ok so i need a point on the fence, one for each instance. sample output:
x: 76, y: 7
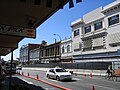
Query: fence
x: 87, y: 65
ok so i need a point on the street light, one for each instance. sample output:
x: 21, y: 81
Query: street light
x: 60, y: 46
x: 58, y: 35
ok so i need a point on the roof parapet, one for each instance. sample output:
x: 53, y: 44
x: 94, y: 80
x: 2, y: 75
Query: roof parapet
x: 76, y: 22
x: 111, y: 6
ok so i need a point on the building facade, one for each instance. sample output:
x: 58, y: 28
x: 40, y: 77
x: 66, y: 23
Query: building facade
x: 34, y: 55
x: 96, y: 36
x: 50, y: 53
x: 66, y: 50
x: 24, y: 56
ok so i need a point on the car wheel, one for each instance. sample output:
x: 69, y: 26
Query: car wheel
x: 48, y: 76
x: 58, y: 78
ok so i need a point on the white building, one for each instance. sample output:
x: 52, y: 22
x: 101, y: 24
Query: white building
x: 96, y: 36
x: 66, y: 50
x: 34, y: 55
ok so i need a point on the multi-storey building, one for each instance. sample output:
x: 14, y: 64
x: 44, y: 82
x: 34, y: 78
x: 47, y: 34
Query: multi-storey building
x: 50, y: 53
x: 66, y: 50
x: 96, y: 36
x: 34, y: 55
x: 24, y: 56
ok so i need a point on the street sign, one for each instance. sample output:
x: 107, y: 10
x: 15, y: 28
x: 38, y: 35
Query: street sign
x: 17, y: 31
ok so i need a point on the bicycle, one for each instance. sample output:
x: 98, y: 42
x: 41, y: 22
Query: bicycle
x: 109, y: 75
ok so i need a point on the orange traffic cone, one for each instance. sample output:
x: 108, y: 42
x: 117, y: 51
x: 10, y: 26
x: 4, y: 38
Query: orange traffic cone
x: 22, y: 73
x: 28, y: 74
x: 84, y: 75
x: 37, y: 76
x: 90, y: 75
x: 93, y: 88
x: 18, y: 72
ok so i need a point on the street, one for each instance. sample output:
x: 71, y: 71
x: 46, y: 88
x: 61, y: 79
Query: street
x: 78, y: 82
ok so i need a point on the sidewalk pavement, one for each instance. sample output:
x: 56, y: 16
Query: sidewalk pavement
x: 18, y: 84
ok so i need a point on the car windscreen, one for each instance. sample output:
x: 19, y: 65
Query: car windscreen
x: 61, y: 70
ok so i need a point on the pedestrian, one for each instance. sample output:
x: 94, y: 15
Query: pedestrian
x: 109, y: 70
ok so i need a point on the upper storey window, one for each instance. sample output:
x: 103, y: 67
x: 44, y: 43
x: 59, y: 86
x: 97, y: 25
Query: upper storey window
x: 98, y: 25
x: 68, y: 48
x: 87, y: 29
x: 63, y: 49
x: 76, y: 32
x: 113, y: 20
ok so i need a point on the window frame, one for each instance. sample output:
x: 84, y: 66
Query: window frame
x: 63, y: 49
x: 114, y: 21
x: 86, y: 30
x: 76, y: 32
x: 97, y: 27
x: 68, y: 48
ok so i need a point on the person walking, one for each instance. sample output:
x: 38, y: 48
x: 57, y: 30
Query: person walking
x: 109, y: 71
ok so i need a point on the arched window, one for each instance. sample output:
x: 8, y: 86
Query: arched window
x: 68, y: 48
x: 63, y: 49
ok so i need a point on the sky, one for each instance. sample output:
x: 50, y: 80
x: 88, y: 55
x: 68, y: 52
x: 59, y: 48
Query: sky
x: 59, y: 23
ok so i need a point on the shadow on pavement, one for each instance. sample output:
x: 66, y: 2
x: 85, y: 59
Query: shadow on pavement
x: 18, y: 84
x: 69, y: 80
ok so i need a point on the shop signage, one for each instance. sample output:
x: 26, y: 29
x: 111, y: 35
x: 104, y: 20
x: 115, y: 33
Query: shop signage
x: 17, y: 31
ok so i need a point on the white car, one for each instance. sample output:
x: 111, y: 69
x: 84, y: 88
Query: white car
x: 19, y: 68
x: 58, y: 74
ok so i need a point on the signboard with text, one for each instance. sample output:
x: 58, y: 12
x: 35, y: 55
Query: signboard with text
x: 17, y: 31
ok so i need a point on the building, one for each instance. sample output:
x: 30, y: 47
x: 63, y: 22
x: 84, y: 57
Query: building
x: 24, y: 56
x: 96, y: 36
x: 40, y: 53
x: 50, y: 53
x: 34, y: 55
x: 66, y: 50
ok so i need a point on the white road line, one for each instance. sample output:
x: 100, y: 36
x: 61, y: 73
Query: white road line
x: 27, y: 81
x: 77, y: 79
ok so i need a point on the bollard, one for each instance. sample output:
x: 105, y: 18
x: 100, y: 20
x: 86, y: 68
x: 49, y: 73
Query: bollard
x: 19, y: 72
x: 28, y: 74
x: 37, y: 76
x: 84, y: 75
x: 93, y: 88
x: 22, y: 73
x: 90, y: 75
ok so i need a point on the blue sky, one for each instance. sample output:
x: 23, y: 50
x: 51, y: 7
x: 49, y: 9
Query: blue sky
x: 60, y: 22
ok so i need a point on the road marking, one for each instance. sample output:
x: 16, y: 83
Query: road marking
x: 77, y: 79
x: 27, y: 81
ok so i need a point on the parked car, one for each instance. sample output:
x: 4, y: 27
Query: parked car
x: 58, y: 74
x: 19, y: 68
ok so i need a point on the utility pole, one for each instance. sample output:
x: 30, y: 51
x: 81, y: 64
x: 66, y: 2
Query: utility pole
x: 10, y: 80
x: 60, y: 44
x: 55, y: 50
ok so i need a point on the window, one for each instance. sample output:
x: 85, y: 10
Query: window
x: 63, y: 49
x: 98, y: 25
x: 87, y: 29
x: 76, y: 32
x: 113, y: 20
x: 68, y: 48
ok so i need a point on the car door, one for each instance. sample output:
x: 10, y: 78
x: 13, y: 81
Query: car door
x: 52, y: 74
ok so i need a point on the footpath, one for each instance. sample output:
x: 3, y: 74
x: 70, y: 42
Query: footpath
x: 18, y: 84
